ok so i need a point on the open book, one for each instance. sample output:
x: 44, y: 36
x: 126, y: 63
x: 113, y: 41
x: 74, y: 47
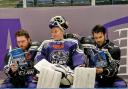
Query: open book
x: 17, y: 55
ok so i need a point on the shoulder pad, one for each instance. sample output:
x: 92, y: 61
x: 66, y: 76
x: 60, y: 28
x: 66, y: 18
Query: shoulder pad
x: 35, y: 43
x: 34, y: 46
x: 44, y: 44
x: 72, y: 40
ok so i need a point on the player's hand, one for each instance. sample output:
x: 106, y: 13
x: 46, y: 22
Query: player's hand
x: 14, y: 67
x: 28, y: 56
x: 99, y: 70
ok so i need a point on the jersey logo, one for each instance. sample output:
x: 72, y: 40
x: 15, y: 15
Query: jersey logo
x: 59, y: 57
x: 58, y: 46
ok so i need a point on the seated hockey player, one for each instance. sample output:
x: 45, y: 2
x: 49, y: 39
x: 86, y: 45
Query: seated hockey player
x: 20, y: 74
x: 63, y: 53
x: 105, y: 56
x: 107, y: 72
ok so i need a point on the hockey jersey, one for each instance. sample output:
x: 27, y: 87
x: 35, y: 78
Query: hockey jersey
x: 63, y: 52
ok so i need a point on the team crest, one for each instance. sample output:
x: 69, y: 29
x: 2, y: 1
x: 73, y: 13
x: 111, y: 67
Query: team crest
x: 59, y: 57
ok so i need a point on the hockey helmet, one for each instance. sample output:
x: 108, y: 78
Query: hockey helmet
x: 87, y: 42
x: 58, y: 21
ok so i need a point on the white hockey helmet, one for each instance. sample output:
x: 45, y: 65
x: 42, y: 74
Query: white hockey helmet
x: 58, y: 21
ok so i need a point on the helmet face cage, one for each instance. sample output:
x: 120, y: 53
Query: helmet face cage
x: 58, y: 21
x: 53, y: 24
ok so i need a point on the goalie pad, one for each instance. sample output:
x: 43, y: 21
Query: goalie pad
x: 43, y: 64
x: 84, y: 77
x: 65, y: 71
x: 67, y: 80
x: 49, y: 78
x: 67, y: 74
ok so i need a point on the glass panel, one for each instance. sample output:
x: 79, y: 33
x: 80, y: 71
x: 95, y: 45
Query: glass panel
x: 103, y: 2
x: 8, y: 3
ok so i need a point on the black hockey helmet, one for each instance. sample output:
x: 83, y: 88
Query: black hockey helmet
x: 87, y: 42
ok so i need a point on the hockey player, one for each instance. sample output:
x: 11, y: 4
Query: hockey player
x: 17, y: 76
x: 64, y: 53
x: 107, y: 60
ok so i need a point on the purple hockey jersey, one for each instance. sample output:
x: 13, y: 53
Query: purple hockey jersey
x: 65, y: 52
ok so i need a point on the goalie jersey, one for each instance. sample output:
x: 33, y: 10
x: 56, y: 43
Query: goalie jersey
x: 64, y: 52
